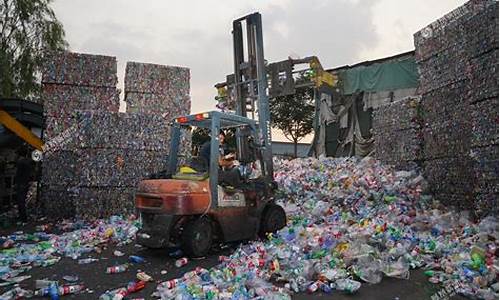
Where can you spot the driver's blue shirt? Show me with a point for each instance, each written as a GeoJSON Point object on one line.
{"type": "Point", "coordinates": [205, 152]}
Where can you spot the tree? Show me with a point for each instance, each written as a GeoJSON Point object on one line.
{"type": "Point", "coordinates": [28, 28]}
{"type": "Point", "coordinates": [293, 115]}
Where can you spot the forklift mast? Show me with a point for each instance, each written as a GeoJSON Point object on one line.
{"type": "Point", "coordinates": [283, 78]}
{"type": "Point", "coordinates": [250, 89]}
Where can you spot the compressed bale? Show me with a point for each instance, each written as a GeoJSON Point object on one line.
{"type": "Point", "coordinates": [485, 204]}
{"type": "Point", "coordinates": [67, 98]}
{"type": "Point", "coordinates": [483, 77]}
{"type": "Point", "coordinates": [91, 202]}
{"type": "Point", "coordinates": [71, 68]}
{"type": "Point", "coordinates": [156, 79]}
{"type": "Point", "coordinates": [482, 31]}
{"type": "Point", "coordinates": [174, 104]}
{"type": "Point", "coordinates": [485, 168]}
{"type": "Point", "coordinates": [485, 123]}
{"type": "Point", "coordinates": [108, 152]}
{"type": "Point", "coordinates": [118, 167]}
{"type": "Point", "coordinates": [121, 201]}
{"type": "Point", "coordinates": [446, 139]}
{"type": "Point", "coordinates": [450, 175]}
{"type": "Point", "coordinates": [100, 203]}
{"type": "Point", "coordinates": [59, 201]}
{"type": "Point", "coordinates": [398, 146]}
{"type": "Point", "coordinates": [452, 27]}
{"type": "Point", "coordinates": [396, 132]}
{"type": "Point", "coordinates": [441, 69]}
{"type": "Point", "coordinates": [57, 123]}
{"type": "Point", "coordinates": [448, 102]}
{"type": "Point", "coordinates": [460, 201]}
{"type": "Point", "coordinates": [140, 131]}
{"type": "Point", "coordinates": [403, 114]}
{"type": "Point", "coordinates": [61, 168]}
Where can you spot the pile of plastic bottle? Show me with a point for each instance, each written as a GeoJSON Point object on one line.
{"type": "Point", "coordinates": [20, 252]}
{"type": "Point", "coordinates": [351, 221]}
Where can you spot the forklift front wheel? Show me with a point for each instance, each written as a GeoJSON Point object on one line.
{"type": "Point", "coordinates": [197, 237]}
{"type": "Point", "coordinates": [273, 219]}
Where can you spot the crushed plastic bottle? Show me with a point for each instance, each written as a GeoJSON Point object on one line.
{"type": "Point", "coordinates": [347, 285]}
{"type": "Point", "coordinates": [116, 294]}
{"type": "Point", "coordinates": [117, 269]}
{"type": "Point", "coordinates": [350, 218]}
{"type": "Point", "coordinates": [78, 238]}
{"type": "Point", "coordinates": [181, 262]}
{"type": "Point", "coordinates": [16, 293]}
{"type": "Point", "coordinates": [85, 261]}
{"type": "Point", "coordinates": [136, 259]}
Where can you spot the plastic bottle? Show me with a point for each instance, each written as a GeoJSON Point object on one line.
{"type": "Point", "coordinates": [312, 287]}
{"type": "Point", "coordinates": [44, 291]}
{"type": "Point", "coordinates": [43, 283]}
{"type": "Point", "coordinates": [53, 292]}
{"type": "Point", "coordinates": [347, 285]}
{"type": "Point", "coordinates": [144, 277]}
{"type": "Point", "coordinates": [16, 293]}
{"type": "Point", "coordinates": [70, 289]}
{"type": "Point", "coordinates": [85, 261]}
{"type": "Point", "coordinates": [117, 269]}
{"type": "Point", "coordinates": [181, 262]}
{"type": "Point", "coordinates": [170, 284]}
{"type": "Point", "coordinates": [136, 259]}
{"type": "Point", "coordinates": [117, 294]}
{"type": "Point", "coordinates": [325, 287]}
{"type": "Point", "coordinates": [133, 287]}
{"type": "Point", "coordinates": [46, 263]}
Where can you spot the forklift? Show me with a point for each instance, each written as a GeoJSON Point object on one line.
{"type": "Point", "coordinates": [192, 210]}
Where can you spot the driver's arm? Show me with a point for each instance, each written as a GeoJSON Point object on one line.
{"type": "Point", "coordinates": [227, 160]}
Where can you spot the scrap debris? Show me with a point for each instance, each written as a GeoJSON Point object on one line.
{"type": "Point", "coordinates": [351, 221]}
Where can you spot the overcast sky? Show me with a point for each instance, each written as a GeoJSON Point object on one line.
{"type": "Point", "coordinates": [197, 34]}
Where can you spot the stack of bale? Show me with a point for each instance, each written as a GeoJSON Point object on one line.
{"type": "Point", "coordinates": [397, 133]}
{"type": "Point", "coordinates": [74, 81]}
{"type": "Point", "coordinates": [457, 59]}
{"type": "Point", "coordinates": [95, 174]}
{"type": "Point", "coordinates": [158, 90]}
{"type": "Point", "coordinates": [71, 82]}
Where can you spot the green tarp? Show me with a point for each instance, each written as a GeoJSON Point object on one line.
{"type": "Point", "coordinates": [385, 76]}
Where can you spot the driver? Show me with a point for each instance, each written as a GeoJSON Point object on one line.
{"type": "Point", "coordinates": [227, 173]}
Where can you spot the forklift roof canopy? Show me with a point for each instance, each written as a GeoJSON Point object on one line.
{"type": "Point", "coordinates": [204, 120]}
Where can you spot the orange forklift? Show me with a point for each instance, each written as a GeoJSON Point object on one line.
{"type": "Point", "coordinates": [192, 210]}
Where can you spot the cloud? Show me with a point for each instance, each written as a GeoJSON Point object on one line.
{"type": "Point", "coordinates": [395, 23]}
{"type": "Point", "coordinates": [335, 31]}
{"type": "Point", "coordinates": [197, 34]}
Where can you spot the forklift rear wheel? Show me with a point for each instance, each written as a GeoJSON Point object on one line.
{"type": "Point", "coordinates": [273, 219]}
{"type": "Point", "coordinates": [197, 237]}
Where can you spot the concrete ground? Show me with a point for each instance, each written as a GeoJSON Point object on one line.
{"type": "Point", "coordinates": [94, 277]}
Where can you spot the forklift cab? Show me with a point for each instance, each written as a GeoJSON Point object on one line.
{"type": "Point", "coordinates": [247, 152]}
{"type": "Point", "coordinates": [192, 210]}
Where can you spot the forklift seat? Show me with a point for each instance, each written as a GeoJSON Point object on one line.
{"type": "Point", "coordinates": [191, 176]}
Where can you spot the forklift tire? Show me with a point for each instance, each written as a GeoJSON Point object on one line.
{"type": "Point", "coordinates": [273, 219]}
{"type": "Point", "coordinates": [197, 237]}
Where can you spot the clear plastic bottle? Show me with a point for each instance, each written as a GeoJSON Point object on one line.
{"type": "Point", "coordinates": [85, 261]}
{"type": "Point", "coordinates": [347, 285]}
{"type": "Point", "coordinates": [117, 269]}
{"type": "Point", "coordinates": [70, 289]}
